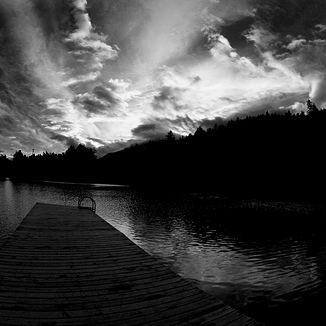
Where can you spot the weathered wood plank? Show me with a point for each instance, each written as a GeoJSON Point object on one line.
{"type": "Point", "coordinates": [143, 291]}
{"type": "Point", "coordinates": [112, 299]}
{"type": "Point", "coordinates": [66, 266]}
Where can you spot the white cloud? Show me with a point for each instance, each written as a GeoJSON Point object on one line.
{"type": "Point", "coordinates": [321, 27]}
{"type": "Point", "coordinates": [261, 37]}
{"type": "Point", "coordinates": [309, 60]}
{"type": "Point", "coordinates": [81, 79]}
{"type": "Point", "coordinates": [225, 75]}
{"type": "Point", "coordinates": [211, 22]}
{"type": "Point", "coordinates": [297, 107]}
{"type": "Point", "coordinates": [318, 86]}
{"type": "Point", "coordinates": [177, 69]}
{"type": "Point", "coordinates": [91, 47]}
{"type": "Point", "coordinates": [295, 44]}
{"type": "Point", "coordinates": [222, 48]}
{"type": "Point", "coordinates": [84, 26]}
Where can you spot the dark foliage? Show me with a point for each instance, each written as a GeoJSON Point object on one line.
{"type": "Point", "coordinates": [4, 167]}
{"type": "Point", "coordinates": [271, 155]}
{"type": "Point", "coordinates": [76, 164]}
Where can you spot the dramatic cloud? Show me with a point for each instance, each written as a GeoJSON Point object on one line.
{"type": "Point", "coordinates": [111, 73]}
{"type": "Point", "coordinates": [91, 48]}
{"type": "Point", "coordinates": [66, 140]}
{"type": "Point", "coordinates": [157, 128]}
{"type": "Point", "coordinates": [149, 131]}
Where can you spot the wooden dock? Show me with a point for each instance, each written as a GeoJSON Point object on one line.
{"type": "Point", "coordinates": [67, 266]}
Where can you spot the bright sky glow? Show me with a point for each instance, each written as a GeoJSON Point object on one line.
{"type": "Point", "coordinates": [111, 73]}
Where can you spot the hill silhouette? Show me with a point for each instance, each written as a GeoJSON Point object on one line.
{"type": "Point", "coordinates": [270, 155]}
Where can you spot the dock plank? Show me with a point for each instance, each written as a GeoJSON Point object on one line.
{"type": "Point", "coordinates": [67, 266]}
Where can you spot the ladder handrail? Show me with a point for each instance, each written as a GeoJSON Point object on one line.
{"type": "Point", "coordinates": [81, 199]}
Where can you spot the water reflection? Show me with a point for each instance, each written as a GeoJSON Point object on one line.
{"type": "Point", "coordinates": [239, 269]}
{"type": "Point", "coordinates": [242, 271]}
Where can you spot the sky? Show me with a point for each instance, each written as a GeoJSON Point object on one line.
{"type": "Point", "coordinates": [111, 73]}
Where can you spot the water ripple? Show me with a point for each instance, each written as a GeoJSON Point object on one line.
{"type": "Point", "coordinates": [242, 271]}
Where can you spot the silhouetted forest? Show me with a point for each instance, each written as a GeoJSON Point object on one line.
{"type": "Point", "coordinates": [75, 164]}
{"type": "Point", "coordinates": [271, 155]}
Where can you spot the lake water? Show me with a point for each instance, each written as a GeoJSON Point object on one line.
{"type": "Point", "coordinates": [263, 277]}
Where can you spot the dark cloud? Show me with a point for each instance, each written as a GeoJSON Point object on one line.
{"type": "Point", "coordinates": [54, 18]}
{"type": "Point", "coordinates": [210, 123]}
{"type": "Point", "coordinates": [158, 128]}
{"type": "Point", "coordinates": [3, 22]}
{"type": "Point", "coordinates": [105, 94]}
{"type": "Point", "coordinates": [68, 141]}
{"type": "Point", "coordinates": [227, 99]}
{"type": "Point", "coordinates": [122, 20]}
{"type": "Point", "coordinates": [54, 15]}
{"type": "Point", "coordinates": [196, 79]}
{"type": "Point", "coordinates": [168, 96]}
{"type": "Point", "coordinates": [235, 32]}
{"type": "Point", "coordinates": [102, 100]}
{"type": "Point", "coordinates": [93, 106]}
{"type": "Point", "coordinates": [97, 140]}
{"type": "Point", "coordinates": [149, 131]}
{"type": "Point", "coordinates": [54, 113]}
{"type": "Point", "coordinates": [180, 124]}
{"type": "Point", "coordinates": [290, 17]}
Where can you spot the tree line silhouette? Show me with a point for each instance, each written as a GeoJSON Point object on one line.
{"type": "Point", "coordinates": [271, 155]}
{"type": "Point", "coordinates": [75, 165]}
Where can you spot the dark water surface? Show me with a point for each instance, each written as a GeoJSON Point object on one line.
{"type": "Point", "coordinates": [279, 279]}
